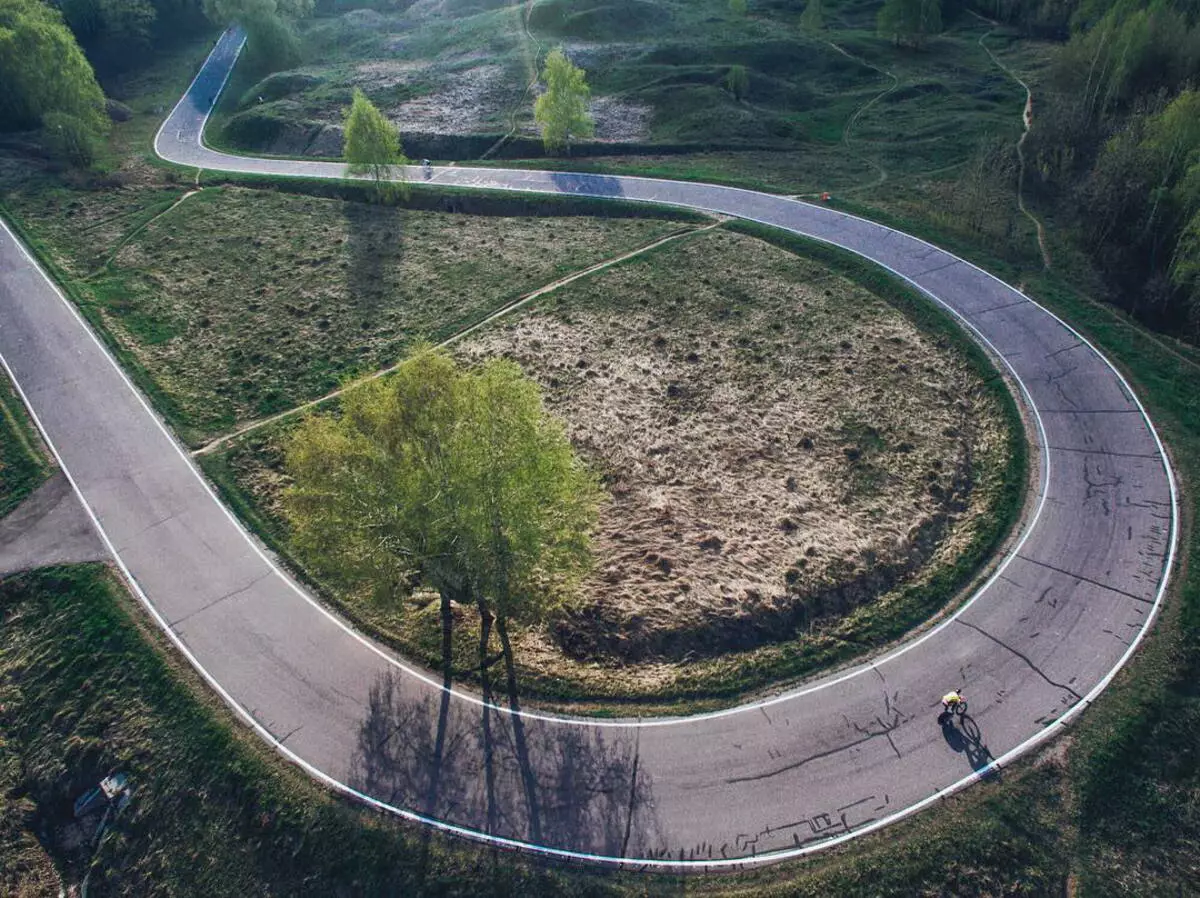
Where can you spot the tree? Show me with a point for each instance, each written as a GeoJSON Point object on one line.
{"type": "Point", "coordinates": [737, 81]}
{"type": "Point", "coordinates": [1185, 271]}
{"type": "Point", "coordinates": [813, 17]}
{"type": "Point", "coordinates": [70, 139]}
{"type": "Point", "coordinates": [270, 37]}
{"type": "Point", "coordinates": [562, 110]}
{"type": "Point", "coordinates": [456, 479]}
{"type": "Point", "coordinates": [738, 7]}
{"type": "Point", "coordinates": [371, 144]}
{"type": "Point", "coordinates": [910, 21]}
{"type": "Point", "coordinates": [103, 26]}
{"type": "Point", "coordinates": [43, 72]}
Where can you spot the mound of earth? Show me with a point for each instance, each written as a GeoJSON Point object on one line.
{"type": "Point", "coordinates": [781, 447]}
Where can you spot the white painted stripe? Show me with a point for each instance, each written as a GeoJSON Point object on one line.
{"type": "Point", "coordinates": [652, 863]}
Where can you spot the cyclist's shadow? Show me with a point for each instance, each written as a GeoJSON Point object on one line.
{"type": "Point", "coordinates": [966, 739]}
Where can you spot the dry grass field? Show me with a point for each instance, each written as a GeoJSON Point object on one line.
{"type": "Point", "coordinates": [785, 453]}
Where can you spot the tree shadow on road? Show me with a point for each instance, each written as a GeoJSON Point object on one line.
{"type": "Point", "coordinates": [568, 787]}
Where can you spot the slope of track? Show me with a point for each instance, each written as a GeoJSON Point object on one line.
{"type": "Point", "coordinates": [801, 771]}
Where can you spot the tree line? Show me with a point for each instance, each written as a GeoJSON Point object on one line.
{"type": "Point", "coordinates": [55, 55]}
{"type": "Point", "coordinates": [1115, 143]}
{"type": "Point", "coordinates": [1116, 148]}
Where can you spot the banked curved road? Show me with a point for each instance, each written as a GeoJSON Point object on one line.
{"type": "Point", "coordinates": [807, 769]}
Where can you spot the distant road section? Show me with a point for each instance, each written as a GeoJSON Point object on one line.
{"type": "Point", "coordinates": [804, 770]}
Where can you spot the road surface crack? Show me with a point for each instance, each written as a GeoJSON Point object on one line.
{"type": "Point", "coordinates": [1084, 579]}
{"type": "Point", "coordinates": [1037, 670]}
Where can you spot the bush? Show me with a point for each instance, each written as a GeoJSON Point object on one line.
{"type": "Point", "coordinates": [70, 139]}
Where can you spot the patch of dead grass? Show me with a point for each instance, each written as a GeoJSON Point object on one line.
{"type": "Point", "coordinates": [241, 303]}
{"type": "Point", "coordinates": [786, 453]}
{"type": "Point", "coordinates": [781, 447]}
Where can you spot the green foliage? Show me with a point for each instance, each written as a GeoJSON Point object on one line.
{"type": "Point", "coordinates": [738, 7]}
{"type": "Point", "coordinates": [23, 467]}
{"type": "Point", "coordinates": [1185, 269]}
{"type": "Point", "coordinates": [737, 81]}
{"type": "Point", "coordinates": [371, 144]}
{"type": "Point", "coordinates": [127, 22]}
{"type": "Point", "coordinates": [813, 17]}
{"type": "Point", "coordinates": [70, 139]}
{"type": "Point", "coordinates": [1139, 198]}
{"type": "Point", "coordinates": [43, 71]}
{"type": "Point", "coordinates": [270, 36]}
{"type": "Point", "coordinates": [456, 479]}
{"type": "Point", "coordinates": [562, 110]}
{"type": "Point", "coordinates": [118, 35]}
{"type": "Point", "coordinates": [1125, 55]}
{"type": "Point", "coordinates": [1116, 143]}
{"type": "Point", "coordinates": [910, 22]}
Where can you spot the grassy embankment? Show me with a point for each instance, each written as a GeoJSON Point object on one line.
{"type": "Point", "coordinates": [659, 69]}
{"type": "Point", "coordinates": [249, 475]}
{"type": "Point", "coordinates": [87, 688]}
{"type": "Point", "coordinates": [23, 465]}
{"type": "Point", "coordinates": [297, 292]}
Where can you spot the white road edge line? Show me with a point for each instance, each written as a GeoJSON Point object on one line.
{"type": "Point", "coordinates": [768, 857]}
{"type": "Point", "coordinates": [725, 712]}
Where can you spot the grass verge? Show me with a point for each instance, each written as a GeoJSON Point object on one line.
{"type": "Point", "coordinates": [87, 688]}
{"type": "Point", "coordinates": [23, 464]}
{"type": "Point", "coordinates": [248, 474]}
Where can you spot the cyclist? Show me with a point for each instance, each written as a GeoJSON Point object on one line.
{"type": "Point", "coordinates": [952, 699]}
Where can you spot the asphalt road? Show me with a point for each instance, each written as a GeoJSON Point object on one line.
{"type": "Point", "coordinates": [807, 769]}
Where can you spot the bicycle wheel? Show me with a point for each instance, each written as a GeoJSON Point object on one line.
{"type": "Point", "coordinates": [960, 708]}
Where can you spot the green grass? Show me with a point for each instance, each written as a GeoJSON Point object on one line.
{"type": "Point", "coordinates": [666, 57]}
{"type": "Point", "coordinates": [240, 303]}
{"type": "Point", "coordinates": [87, 688]}
{"type": "Point", "coordinates": [248, 474]}
{"type": "Point", "coordinates": [23, 464]}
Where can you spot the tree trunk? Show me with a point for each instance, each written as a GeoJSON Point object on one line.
{"type": "Point", "coordinates": [528, 780]}
{"type": "Point", "coordinates": [485, 633]}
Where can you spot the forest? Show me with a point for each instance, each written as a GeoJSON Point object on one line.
{"type": "Point", "coordinates": [1115, 146]}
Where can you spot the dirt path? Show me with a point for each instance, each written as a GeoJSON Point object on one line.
{"type": "Point", "coordinates": [853, 120]}
{"type": "Point", "coordinates": [124, 241]}
{"type": "Point", "coordinates": [499, 313]}
{"type": "Point", "coordinates": [525, 8]}
{"type": "Point", "coordinates": [1027, 124]}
